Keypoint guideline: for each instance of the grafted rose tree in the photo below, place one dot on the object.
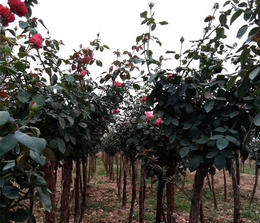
(208, 114)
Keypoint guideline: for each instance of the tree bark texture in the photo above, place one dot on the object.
(197, 195)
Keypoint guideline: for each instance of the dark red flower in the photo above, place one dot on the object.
(7, 17)
(18, 7)
(37, 40)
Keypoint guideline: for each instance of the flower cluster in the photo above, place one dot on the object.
(150, 116)
(16, 7)
(37, 40)
(7, 16)
(82, 58)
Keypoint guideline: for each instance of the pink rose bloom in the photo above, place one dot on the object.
(144, 99)
(158, 122)
(18, 7)
(4, 12)
(83, 73)
(149, 115)
(115, 111)
(118, 84)
(111, 69)
(37, 40)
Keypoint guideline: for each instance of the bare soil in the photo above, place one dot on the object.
(104, 205)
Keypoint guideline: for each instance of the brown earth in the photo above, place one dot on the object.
(104, 205)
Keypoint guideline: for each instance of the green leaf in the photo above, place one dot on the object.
(184, 151)
(172, 136)
(194, 164)
(99, 63)
(231, 82)
(254, 73)
(220, 129)
(23, 24)
(203, 140)
(54, 79)
(143, 14)
(153, 76)
(212, 154)
(220, 162)
(257, 120)
(222, 143)
(45, 199)
(235, 15)
(209, 106)
(62, 122)
(7, 143)
(70, 78)
(194, 132)
(223, 19)
(49, 154)
(163, 23)
(70, 119)
(226, 153)
(175, 121)
(242, 31)
(4, 117)
(61, 145)
(10, 192)
(21, 215)
(24, 96)
(244, 55)
(33, 143)
(214, 137)
(232, 139)
(40, 159)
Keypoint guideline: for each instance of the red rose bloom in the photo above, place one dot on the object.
(18, 7)
(37, 40)
(158, 122)
(83, 73)
(118, 84)
(4, 12)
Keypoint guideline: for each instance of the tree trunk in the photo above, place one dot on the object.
(208, 180)
(142, 195)
(236, 190)
(133, 191)
(65, 197)
(214, 192)
(49, 175)
(120, 177)
(84, 188)
(159, 206)
(125, 182)
(255, 185)
(197, 195)
(225, 185)
(170, 193)
(77, 194)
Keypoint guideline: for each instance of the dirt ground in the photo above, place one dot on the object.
(104, 205)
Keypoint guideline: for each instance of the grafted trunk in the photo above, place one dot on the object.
(236, 190)
(142, 195)
(225, 185)
(197, 195)
(84, 188)
(77, 194)
(49, 175)
(65, 197)
(133, 191)
(159, 206)
(256, 180)
(125, 182)
(170, 194)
